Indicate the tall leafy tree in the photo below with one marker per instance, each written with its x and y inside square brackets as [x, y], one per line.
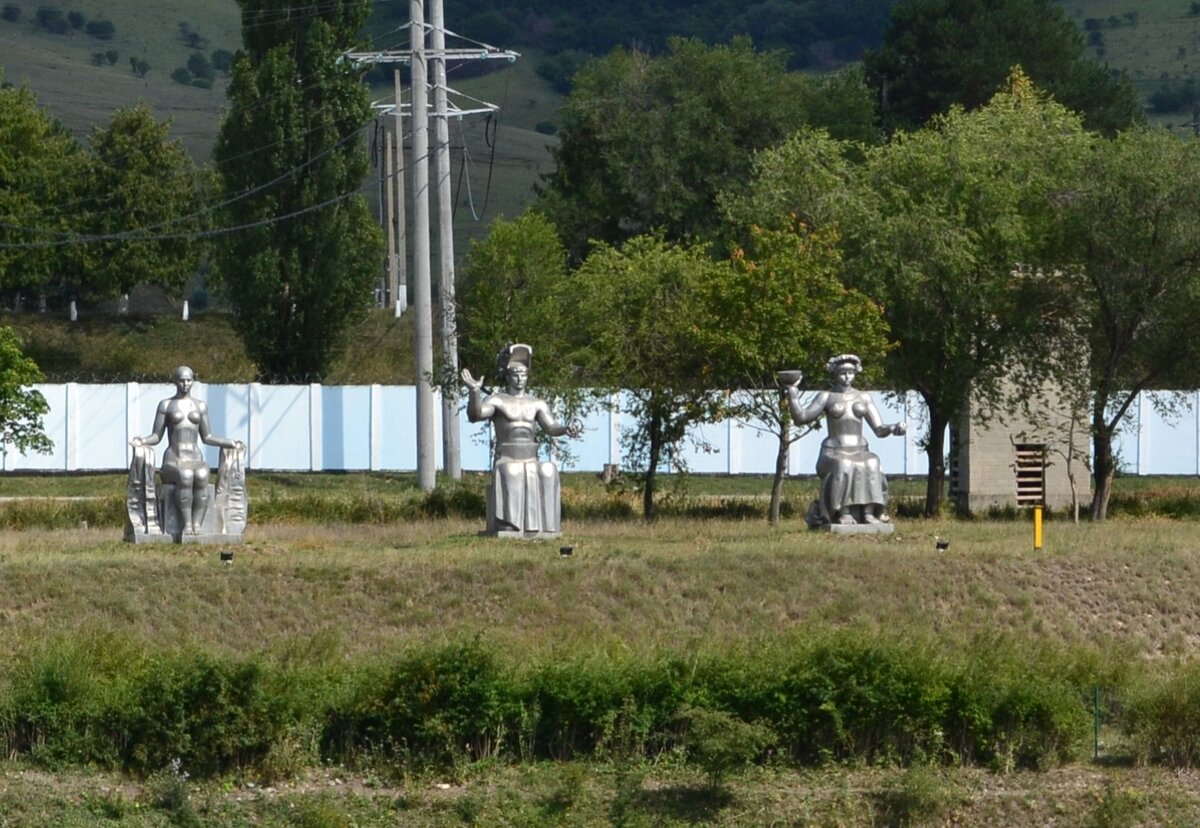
[42, 174]
[950, 229]
[783, 305]
[144, 206]
[635, 318]
[937, 53]
[1131, 222]
[301, 266]
[508, 287]
[646, 143]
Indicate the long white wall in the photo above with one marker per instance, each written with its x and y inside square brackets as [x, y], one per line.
[372, 427]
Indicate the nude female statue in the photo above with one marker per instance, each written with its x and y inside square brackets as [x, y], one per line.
[853, 488]
[184, 421]
[524, 496]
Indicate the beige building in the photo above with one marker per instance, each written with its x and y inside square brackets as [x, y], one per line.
[1018, 460]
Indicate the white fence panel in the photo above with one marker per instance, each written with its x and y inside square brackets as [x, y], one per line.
[314, 427]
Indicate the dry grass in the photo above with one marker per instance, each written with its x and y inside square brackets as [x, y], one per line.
[678, 584]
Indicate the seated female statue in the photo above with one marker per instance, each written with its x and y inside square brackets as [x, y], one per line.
[853, 488]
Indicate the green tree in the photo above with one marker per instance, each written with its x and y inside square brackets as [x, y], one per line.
[935, 224]
[957, 245]
[646, 143]
[301, 267]
[783, 305]
[508, 288]
[145, 201]
[1131, 221]
[937, 53]
[635, 319]
[21, 406]
[43, 170]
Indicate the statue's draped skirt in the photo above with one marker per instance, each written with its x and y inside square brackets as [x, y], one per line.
[526, 495]
[850, 477]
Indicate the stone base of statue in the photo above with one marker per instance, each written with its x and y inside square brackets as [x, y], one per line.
[816, 519]
[152, 509]
[859, 528]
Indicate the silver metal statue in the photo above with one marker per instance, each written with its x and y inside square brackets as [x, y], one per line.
[524, 499]
[853, 487]
[188, 508]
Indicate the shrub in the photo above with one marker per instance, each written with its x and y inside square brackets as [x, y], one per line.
[1162, 718]
[199, 66]
[52, 20]
[222, 60]
[11, 12]
[182, 75]
[101, 29]
[722, 743]
[429, 705]
[76, 19]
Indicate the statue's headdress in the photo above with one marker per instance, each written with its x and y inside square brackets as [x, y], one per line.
[842, 359]
[518, 353]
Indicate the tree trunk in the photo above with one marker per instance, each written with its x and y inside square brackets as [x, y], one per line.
[780, 470]
[935, 483]
[1103, 470]
[648, 511]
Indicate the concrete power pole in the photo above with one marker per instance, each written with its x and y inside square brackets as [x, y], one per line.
[417, 58]
[451, 447]
[422, 291]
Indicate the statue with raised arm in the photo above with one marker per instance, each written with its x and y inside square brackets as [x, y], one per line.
[523, 499]
[853, 488]
[187, 506]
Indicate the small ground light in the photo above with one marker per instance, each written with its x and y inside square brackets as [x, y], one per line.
[566, 551]
[226, 556]
[942, 545]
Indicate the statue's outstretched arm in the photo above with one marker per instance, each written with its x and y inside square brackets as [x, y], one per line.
[207, 437]
[477, 408]
[875, 421]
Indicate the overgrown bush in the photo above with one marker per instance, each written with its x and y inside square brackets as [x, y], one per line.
[1162, 717]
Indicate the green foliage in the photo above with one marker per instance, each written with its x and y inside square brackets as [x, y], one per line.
[21, 406]
[938, 53]
[783, 305]
[637, 151]
[933, 223]
[145, 193]
[813, 35]
[42, 167]
[1162, 717]
[301, 269]
[1127, 225]
[101, 29]
[508, 289]
[721, 743]
[635, 319]
[428, 707]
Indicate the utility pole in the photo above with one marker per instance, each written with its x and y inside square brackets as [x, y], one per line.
[399, 286]
[417, 57]
[451, 451]
[422, 292]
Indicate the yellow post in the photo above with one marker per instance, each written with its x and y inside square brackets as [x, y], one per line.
[1037, 527]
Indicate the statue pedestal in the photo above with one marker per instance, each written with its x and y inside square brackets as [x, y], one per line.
[858, 528]
[152, 511]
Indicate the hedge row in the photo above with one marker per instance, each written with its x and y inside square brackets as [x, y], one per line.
[106, 703]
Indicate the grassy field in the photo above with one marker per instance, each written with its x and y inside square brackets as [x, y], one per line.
[305, 592]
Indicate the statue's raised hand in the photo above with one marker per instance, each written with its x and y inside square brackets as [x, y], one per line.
[470, 381]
